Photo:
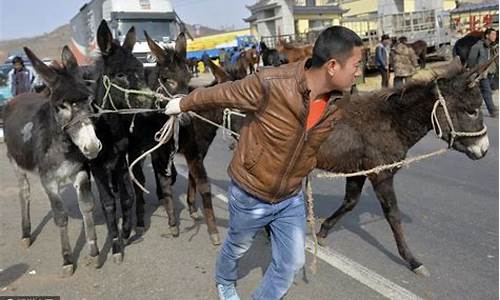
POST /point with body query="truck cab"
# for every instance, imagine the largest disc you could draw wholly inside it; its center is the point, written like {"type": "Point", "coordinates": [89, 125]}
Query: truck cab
{"type": "Point", "coordinates": [157, 17]}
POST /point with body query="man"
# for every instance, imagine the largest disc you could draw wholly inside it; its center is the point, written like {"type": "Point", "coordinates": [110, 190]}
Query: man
{"type": "Point", "coordinates": [382, 58]}
{"type": "Point", "coordinates": [290, 112]}
{"type": "Point", "coordinates": [480, 53]}
{"type": "Point", "coordinates": [235, 55]}
{"type": "Point", "coordinates": [20, 77]}
{"type": "Point", "coordinates": [222, 57]}
{"type": "Point", "coordinates": [405, 62]}
{"type": "Point", "coordinates": [204, 58]}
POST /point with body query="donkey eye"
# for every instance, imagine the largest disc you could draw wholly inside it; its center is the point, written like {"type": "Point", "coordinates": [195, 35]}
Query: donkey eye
{"type": "Point", "coordinates": [473, 114]}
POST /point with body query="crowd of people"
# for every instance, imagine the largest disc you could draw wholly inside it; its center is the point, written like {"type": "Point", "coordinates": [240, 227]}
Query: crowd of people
{"type": "Point", "coordinates": [404, 62]}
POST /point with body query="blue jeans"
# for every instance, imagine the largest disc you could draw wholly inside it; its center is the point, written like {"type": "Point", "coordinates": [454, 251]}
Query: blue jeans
{"type": "Point", "coordinates": [485, 85]}
{"type": "Point", "coordinates": [247, 216]}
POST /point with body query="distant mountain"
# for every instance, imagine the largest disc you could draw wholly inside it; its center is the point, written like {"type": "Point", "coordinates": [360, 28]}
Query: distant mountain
{"type": "Point", "coordinates": [49, 45]}
{"type": "Point", "coordinates": [46, 45]}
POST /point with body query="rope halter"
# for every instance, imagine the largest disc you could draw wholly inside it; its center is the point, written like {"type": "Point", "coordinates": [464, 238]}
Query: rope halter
{"type": "Point", "coordinates": [453, 133]}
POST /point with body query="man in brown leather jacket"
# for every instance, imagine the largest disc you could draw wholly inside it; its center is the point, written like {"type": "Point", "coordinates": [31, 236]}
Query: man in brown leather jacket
{"type": "Point", "coordinates": [290, 112]}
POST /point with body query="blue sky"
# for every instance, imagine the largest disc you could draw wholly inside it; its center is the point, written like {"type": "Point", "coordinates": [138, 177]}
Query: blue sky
{"type": "Point", "coordinates": [25, 18]}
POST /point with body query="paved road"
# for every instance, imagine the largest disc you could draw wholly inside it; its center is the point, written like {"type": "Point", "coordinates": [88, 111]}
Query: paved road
{"type": "Point", "coordinates": [450, 214]}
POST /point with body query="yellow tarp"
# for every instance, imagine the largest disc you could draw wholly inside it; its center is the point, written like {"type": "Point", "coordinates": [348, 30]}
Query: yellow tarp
{"type": "Point", "coordinates": [212, 41]}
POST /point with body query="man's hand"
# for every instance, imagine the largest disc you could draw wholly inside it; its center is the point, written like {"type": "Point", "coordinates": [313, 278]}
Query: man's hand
{"type": "Point", "coordinates": [173, 107]}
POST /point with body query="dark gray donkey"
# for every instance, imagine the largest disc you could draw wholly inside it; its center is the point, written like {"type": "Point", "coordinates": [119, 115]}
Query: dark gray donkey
{"type": "Point", "coordinates": [53, 136]}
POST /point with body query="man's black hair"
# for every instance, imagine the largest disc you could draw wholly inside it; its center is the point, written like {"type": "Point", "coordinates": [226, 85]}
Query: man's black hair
{"type": "Point", "coordinates": [18, 59]}
{"type": "Point", "coordinates": [334, 42]}
{"type": "Point", "coordinates": [385, 37]}
{"type": "Point", "coordinates": [488, 31]}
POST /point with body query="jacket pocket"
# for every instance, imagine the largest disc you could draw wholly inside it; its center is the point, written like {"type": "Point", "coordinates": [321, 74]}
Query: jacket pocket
{"type": "Point", "coordinates": [252, 156]}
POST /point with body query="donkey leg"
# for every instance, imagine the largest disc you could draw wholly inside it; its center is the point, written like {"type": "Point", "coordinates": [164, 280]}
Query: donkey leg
{"type": "Point", "coordinates": [24, 196]}
{"type": "Point", "coordinates": [125, 187]}
{"type": "Point", "coordinates": [139, 196]}
{"type": "Point", "coordinates": [107, 197]}
{"type": "Point", "coordinates": [51, 187]}
{"type": "Point", "coordinates": [353, 188]}
{"type": "Point", "coordinates": [164, 181]}
{"type": "Point", "coordinates": [191, 198]}
{"type": "Point", "coordinates": [197, 168]}
{"type": "Point", "coordinates": [384, 189]}
{"type": "Point", "coordinates": [86, 204]}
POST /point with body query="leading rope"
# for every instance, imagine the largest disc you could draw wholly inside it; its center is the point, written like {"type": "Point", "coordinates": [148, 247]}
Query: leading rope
{"type": "Point", "coordinates": [406, 162]}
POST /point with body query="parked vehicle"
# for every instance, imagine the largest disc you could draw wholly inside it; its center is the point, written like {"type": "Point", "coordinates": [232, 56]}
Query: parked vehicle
{"type": "Point", "coordinates": [157, 17]}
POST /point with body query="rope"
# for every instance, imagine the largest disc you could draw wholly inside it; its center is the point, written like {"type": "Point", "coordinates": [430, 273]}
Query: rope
{"type": "Point", "coordinates": [311, 221]}
{"type": "Point", "coordinates": [453, 133]}
{"type": "Point", "coordinates": [170, 129]}
{"type": "Point", "coordinates": [212, 123]}
{"type": "Point", "coordinates": [381, 168]}
{"type": "Point", "coordinates": [226, 122]}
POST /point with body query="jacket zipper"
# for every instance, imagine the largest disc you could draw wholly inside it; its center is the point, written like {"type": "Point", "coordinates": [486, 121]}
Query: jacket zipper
{"type": "Point", "coordinates": [298, 146]}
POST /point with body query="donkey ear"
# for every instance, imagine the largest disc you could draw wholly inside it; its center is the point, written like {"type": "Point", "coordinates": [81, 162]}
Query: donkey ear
{"type": "Point", "coordinates": [69, 61]}
{"type": "Point", "coordinates": [219, 73]}
{"type": "Point", "coordinates": [181, 44]}
{"type": "Point", "coordinates": [155, 49]}
{"type": "Point", "coordinates": [475, 73]}
{"type": "Point", "coordinates": [263, 46]}
{"type": "Point", "coordinates": [130, 39]}
{"type": "Point", "coordinates": [48, 75]}
{"type": "Point", "coordinates": [104, 38]}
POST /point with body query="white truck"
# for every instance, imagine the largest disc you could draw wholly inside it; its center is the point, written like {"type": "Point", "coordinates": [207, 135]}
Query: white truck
{"type": "Point", "coordinates": [157, 17]}
{"type": "Point", "coordinates": [431, 26]}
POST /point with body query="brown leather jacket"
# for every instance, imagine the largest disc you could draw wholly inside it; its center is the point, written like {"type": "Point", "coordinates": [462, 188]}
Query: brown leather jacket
{"type": "Point", "coordinates": [275, 152]}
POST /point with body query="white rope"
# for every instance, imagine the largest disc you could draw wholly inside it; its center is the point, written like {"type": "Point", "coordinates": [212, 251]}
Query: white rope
{"type": "Point", "coordinates": [311, 221]}
{"type": "Point", "coordinates": [226, 122]}
{"type": "Point", "coordinates": [169, 130]}
{"type": "Point", "coordinates": [453, 133]}
{"type": "Point", "coordinates": [381, 168]}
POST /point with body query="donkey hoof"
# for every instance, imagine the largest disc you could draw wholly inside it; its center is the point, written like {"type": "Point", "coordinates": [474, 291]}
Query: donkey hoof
{"type": "Point", "coordinates": [215, 238]}
{"type": "Point", "coordinates": [139, 230]}
{"type": "Point", "coordinates": [321, 241]}
{"type": "Point", "coordinates": [422, 271]}
{"type": "Point", "coordinates": [26, 242]}
{"type": "Point", "coordinates": [92, 261]}
{"type": "Point", "coordinates": [196, 216]}
{"type": "Point", "coordinates": [118, 258]}
{"type": "Point", "coordinates": [67, 270]}
{"type": "Point", "coordinates": [174, 230]}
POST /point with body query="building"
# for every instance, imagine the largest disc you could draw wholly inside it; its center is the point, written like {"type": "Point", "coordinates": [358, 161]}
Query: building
{"type": "Point", "coordinates": [362, 15]}
{"type": "Point", "coordinates": [292, 17]}
{"type": "Point", "coordinates": [469, 17]}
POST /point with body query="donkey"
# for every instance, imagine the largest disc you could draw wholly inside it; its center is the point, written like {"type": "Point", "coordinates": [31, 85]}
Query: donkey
{"type": "Point", "coordinates": [292, 52]}
{"type": "Point", "coordinates": [172, 73]}
{"type": "Point", "coordinates": [195, 136]}
{"type": "Point", "coordinates": [110, 167]}
{"type": "Point", "coordinates": [380, 128]}
{"type": "Point", "coordinates": [54, 137]}
{"type": "Point", "coordinates": [271, 57]}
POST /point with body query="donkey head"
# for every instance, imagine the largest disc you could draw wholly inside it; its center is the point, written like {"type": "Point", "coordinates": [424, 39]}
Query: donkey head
{"type": "Point", "coordinates": [463, 100]}
{"type": "Point", "coordinates": [119, 64]}
{"type": "Point", "coordinates": [172, 66]}
{"type": "Point", "coordinates": [70, 98]}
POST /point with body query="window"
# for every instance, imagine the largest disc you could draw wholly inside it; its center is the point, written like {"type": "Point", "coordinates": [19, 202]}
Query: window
{"type": "Point", "coordinates": [319, 24]}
